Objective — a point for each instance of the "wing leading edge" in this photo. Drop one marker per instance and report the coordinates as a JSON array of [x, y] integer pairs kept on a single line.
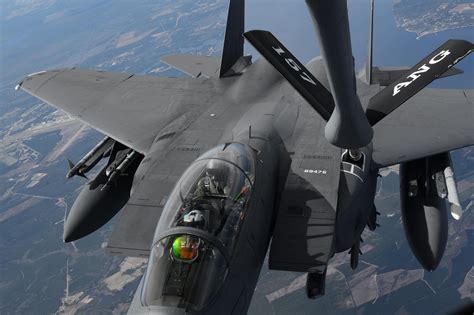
[[129, 108]]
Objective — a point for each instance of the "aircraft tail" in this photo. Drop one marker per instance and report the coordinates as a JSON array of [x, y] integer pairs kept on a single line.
[[415, 79], [318, 97], [233, 42]]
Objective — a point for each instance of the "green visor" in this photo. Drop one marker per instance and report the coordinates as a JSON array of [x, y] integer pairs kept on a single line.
[[185, 248]]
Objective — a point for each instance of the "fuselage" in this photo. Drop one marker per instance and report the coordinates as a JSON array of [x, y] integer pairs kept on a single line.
[[220, 272], [231, 192]]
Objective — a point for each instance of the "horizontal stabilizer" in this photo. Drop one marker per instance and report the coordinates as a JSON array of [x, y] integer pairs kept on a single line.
[[430, 68], [195, 66], [292, 70]]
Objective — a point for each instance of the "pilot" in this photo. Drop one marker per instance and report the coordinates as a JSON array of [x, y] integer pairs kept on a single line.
[[195, 219], [214, 180], [206, 186], [185, 248]]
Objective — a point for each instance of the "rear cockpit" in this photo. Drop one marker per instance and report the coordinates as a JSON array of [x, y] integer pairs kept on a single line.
[[213, 198], [199, 228]]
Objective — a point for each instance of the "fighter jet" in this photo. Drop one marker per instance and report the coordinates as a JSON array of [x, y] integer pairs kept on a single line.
[[207, 170]]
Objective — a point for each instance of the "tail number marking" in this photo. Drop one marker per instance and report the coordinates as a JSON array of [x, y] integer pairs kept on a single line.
[[294, 65], [317, 172]]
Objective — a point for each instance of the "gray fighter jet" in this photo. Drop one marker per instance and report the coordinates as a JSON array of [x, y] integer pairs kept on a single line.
[[208, 170]]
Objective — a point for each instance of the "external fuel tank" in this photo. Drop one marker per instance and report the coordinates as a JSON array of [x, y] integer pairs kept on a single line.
[[424, 208]]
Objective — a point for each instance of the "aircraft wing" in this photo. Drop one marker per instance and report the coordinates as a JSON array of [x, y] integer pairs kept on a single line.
[[171, 113], [433, 121], [131, 109]]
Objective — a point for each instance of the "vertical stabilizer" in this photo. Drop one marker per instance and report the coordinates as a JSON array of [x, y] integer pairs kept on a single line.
[[233, 41], [368, 64]]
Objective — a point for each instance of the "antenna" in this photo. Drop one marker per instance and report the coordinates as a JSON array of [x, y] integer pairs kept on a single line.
[[368, 63]]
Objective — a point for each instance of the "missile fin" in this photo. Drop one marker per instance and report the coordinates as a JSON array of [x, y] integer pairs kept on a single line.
[[71, 164]]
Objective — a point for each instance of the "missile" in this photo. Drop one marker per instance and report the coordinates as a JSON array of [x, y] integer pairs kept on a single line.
[[75, 170], [453, 197], [101, 150], [115, 172]]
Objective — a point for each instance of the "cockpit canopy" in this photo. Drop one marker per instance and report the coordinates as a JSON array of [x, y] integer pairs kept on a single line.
[[213, 193], [199, 228]]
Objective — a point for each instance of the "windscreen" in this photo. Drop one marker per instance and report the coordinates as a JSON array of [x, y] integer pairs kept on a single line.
[[184, 271]]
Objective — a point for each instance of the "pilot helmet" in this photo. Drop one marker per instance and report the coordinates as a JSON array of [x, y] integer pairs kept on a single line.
[[194, 217], [217, 170], [185, 248]]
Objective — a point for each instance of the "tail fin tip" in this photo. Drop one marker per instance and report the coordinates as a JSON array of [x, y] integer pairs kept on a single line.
[[233, 48]]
